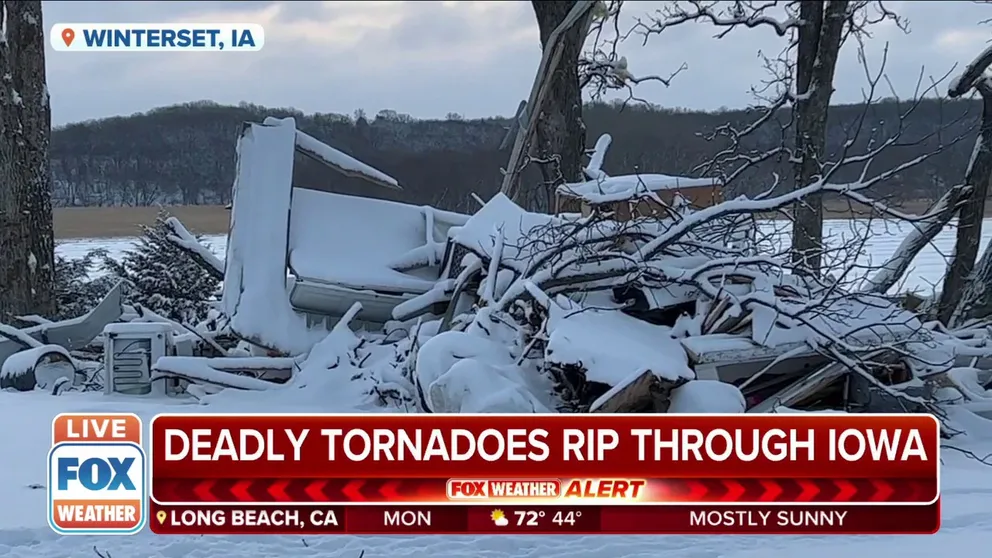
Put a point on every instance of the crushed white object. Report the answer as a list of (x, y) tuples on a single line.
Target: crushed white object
[(462, 372), (24, 362), (611, 345), (196, 368), (474, 386), (857, 320), (356, 242)]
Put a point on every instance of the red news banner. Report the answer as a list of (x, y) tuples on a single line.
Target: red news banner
[(544, 474)]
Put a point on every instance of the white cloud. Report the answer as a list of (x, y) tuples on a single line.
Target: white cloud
[(962, 40)]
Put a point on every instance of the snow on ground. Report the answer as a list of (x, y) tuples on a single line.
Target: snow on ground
[(24, 533), (882, 241)]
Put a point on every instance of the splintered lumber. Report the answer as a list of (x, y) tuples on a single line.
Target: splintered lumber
[(802, 389), (809, 385), (643, 392), (221, 372)]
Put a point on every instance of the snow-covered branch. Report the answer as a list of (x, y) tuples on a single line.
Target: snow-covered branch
[(185, 240), (922, 234), (726, 17), (602, 68), (973, 73)]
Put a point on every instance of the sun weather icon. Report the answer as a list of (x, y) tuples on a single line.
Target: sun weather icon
[(499, 518)]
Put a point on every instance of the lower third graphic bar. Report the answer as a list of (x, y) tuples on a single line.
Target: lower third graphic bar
[(255, 519)]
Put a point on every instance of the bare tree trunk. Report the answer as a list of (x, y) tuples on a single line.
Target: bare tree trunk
[(960, 297), (560, 131), (818, 47), (26, 236)]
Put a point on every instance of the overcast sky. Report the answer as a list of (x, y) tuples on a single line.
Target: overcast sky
[(431, 58)]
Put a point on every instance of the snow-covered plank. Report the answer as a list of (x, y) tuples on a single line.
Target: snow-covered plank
[(185, 240), (255, 292), (594, 170), (342, 162), (865, 321), (606, 189), (197, 369)]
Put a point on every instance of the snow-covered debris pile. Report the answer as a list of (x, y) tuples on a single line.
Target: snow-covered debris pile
[(471, 372), (533, 313), (603, 308), (595, 349), (675, 309)]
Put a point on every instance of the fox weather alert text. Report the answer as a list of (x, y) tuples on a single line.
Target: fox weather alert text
[(96, 475), (157, 37)]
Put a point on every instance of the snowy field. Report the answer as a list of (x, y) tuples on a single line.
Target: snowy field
[(966, 483), (882, 239)]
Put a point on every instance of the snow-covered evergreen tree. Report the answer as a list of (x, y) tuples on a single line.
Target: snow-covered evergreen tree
[(163, 278), (75, 291)]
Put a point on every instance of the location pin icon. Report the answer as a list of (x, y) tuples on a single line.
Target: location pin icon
[(68, 35), (160, 516)]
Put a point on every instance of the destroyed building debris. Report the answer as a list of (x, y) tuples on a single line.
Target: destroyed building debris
[(646, 297)]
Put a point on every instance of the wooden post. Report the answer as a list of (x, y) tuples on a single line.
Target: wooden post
[(549, 63)]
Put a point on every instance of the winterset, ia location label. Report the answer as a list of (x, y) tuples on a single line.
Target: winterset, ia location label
[(157, 37)]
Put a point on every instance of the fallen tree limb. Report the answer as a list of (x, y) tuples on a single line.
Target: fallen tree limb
[(185, 241), (922, 234)]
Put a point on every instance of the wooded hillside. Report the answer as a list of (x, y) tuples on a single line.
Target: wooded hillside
[(185, 154)]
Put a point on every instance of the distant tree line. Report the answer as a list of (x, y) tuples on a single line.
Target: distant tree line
[(184, 154)]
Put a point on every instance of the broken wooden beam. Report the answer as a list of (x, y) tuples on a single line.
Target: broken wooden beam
[(644, 392)]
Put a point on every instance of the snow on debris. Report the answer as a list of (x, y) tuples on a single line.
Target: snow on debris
[(184, 238), (617, 188), (861, 320), (258, 244), (341, 373), (21, 363), (476, 372), (707, 396), (327, 154), (611, 345), (355, 242), (197, 368), (517, 225), (594, 170)]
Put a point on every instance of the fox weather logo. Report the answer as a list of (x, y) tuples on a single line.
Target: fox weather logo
[(96, 476)]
